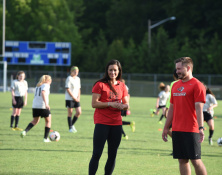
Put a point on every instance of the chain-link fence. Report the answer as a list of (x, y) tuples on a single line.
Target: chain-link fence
[(141, 85)]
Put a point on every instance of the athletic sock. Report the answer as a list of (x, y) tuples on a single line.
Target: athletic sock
[(123, 132), (16, 121), (74, 120), (69, 122), (211, 132), (161, 117), (12, 120), (30, 125), (47, 129), (125, 123)]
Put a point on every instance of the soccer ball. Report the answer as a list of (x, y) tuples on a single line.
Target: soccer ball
[(54, 136), (219, 141)]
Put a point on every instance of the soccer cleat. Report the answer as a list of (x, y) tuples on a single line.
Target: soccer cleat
[(46, 140), (18, 129), (23, 134), (73, 129), (13, 129), (125, 137), (210, 141), (152, 111), (160, 122), (133, 127)]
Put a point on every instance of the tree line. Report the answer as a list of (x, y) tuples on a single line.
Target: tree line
[(101, 30)]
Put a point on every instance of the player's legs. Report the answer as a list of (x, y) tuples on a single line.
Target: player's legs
[(211, 130), (99, 139), (35, 120), (184, 167), (199, 167), (48, 121), (113, 141), (69, 118), (47, 126), (76, 116), (78, 111)]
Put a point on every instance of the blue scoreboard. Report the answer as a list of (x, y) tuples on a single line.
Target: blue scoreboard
[(37, 53)]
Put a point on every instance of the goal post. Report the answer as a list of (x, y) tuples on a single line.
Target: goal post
[(4, 75)]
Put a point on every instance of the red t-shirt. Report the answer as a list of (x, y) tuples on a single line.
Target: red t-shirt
[(109, 115), (184, 95)]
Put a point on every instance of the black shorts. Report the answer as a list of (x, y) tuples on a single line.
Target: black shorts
[(186, 145), (40, 113), (207, 116), (123, 113), (72, 104), (163, 106), (19, 102)]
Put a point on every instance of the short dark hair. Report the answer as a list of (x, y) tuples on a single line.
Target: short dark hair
[(185, 61)]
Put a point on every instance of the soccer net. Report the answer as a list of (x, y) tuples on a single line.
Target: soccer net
[(3, 76)]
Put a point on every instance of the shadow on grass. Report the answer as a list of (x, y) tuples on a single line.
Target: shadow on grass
[(43, 150)]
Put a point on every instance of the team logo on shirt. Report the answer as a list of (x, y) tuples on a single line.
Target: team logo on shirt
[(181, 93), (180, 89)]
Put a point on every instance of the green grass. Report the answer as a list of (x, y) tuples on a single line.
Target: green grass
[(143, 154)]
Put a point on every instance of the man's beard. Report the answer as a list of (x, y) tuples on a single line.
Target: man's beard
[(181, 76)]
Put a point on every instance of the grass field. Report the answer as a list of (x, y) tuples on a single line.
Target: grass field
[(143, 154)]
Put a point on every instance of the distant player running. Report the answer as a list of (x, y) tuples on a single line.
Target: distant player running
[(19, 90), (72, 97), (40, 106)]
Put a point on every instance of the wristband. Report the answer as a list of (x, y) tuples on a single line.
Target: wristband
[(201, 127), (108, 104)]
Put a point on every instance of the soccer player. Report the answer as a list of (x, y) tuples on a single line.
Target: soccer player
[(40, 106), (208, 111), (109, 97), (72, 97), (186, 115), (19, 91), (124, 113), (161, 101)]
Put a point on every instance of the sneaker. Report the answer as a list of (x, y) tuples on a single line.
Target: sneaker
[(133, 127), (210, 141), (46, 140), (18, 129), (23, 134), (73, 129), (125, 137), (152, 111)]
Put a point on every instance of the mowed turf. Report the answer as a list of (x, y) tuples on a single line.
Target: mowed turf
[(143, 154)]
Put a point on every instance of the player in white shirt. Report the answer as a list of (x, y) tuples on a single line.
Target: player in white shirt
[(19, 91), (40, 106), (72, 97), (161, 101), (208, 112)]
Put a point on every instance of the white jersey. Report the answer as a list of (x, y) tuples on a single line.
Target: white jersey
[(19, 87), (163, 98), (74, 85), (38, 100), (210, 100)]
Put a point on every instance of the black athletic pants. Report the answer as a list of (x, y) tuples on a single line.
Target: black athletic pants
[(103, 133)]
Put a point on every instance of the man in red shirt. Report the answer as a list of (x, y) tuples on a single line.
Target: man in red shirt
[(186, 115)]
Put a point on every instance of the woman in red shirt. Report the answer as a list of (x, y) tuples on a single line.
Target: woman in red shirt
[(107, 94)]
